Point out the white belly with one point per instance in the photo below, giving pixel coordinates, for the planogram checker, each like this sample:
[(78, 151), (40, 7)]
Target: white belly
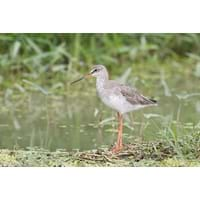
[(119, 103), (114, 99)]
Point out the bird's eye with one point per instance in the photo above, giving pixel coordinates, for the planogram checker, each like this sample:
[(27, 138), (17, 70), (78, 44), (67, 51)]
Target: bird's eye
[(95, 70)]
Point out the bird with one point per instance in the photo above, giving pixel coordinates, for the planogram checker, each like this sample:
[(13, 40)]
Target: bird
[(120, 97)]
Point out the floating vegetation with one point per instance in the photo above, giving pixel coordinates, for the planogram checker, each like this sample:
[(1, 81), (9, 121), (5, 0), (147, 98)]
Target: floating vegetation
[(137, 154)]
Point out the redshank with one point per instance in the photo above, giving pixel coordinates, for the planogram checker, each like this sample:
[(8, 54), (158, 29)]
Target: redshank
[(119, 97)]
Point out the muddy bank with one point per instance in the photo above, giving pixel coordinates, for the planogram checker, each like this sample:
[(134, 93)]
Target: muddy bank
[(133, 155)]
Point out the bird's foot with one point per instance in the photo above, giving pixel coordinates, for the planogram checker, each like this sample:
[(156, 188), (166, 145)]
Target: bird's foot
[(117, 148)]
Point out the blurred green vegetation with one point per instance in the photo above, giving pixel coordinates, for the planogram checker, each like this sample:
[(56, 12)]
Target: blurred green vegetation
[(52, 60), (30, 52), (92, 48)]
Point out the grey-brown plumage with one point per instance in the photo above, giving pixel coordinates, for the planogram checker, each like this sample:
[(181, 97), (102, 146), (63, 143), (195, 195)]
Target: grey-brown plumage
[(134, 97), (119, 97), (131, 94)]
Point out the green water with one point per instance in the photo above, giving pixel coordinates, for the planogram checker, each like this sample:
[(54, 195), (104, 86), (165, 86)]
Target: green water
[(162, 66), (81, 121)]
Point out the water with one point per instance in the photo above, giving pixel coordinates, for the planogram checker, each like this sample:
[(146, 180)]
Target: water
[(82, 122)]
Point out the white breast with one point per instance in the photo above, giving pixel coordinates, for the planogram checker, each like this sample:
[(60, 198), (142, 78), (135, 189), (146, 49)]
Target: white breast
[(114, 99)]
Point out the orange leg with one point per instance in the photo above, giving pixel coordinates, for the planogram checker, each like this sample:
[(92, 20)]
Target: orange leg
[(119, 144)]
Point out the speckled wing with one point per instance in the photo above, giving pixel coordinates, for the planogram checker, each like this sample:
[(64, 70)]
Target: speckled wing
[(134, 97), (131, 94)]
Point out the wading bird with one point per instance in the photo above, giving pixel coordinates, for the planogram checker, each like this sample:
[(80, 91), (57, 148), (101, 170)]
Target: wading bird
[(119, 97)]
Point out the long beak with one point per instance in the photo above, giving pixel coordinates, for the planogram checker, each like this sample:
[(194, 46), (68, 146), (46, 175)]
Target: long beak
[(83, 77)]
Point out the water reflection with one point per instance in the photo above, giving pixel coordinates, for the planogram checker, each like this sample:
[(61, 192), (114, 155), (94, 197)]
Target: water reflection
[(83, 122)]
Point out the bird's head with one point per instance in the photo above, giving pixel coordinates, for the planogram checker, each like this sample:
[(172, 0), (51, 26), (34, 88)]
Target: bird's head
[(98, 71)]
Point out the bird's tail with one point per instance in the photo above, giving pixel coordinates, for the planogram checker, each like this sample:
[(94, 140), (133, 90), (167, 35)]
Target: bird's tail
[(153, 101)]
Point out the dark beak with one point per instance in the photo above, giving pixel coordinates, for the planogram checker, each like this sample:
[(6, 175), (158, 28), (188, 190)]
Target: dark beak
[(84, 77)]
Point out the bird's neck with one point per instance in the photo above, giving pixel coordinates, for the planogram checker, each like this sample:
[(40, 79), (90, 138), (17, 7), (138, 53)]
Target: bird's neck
[(100, 82)]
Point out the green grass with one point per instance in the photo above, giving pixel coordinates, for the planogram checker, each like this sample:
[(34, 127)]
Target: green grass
[(52, 60), (136, 154), (41, 52)]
